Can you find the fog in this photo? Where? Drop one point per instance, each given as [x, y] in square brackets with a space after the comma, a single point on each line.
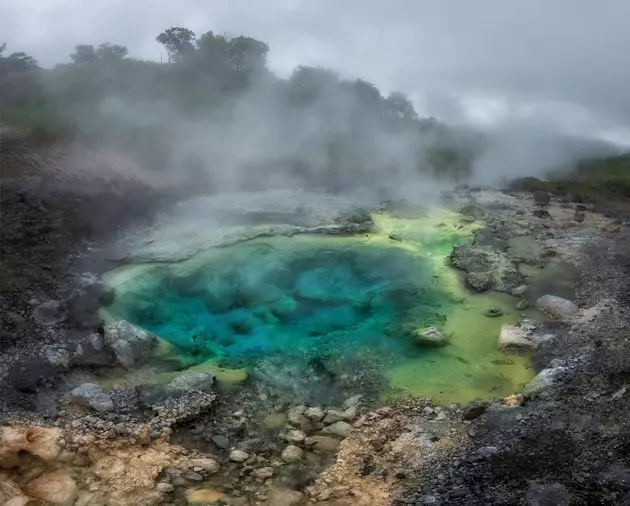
[544, 83]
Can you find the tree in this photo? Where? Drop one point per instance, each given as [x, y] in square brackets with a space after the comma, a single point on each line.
[84, 55]
[179, 43]
[399, 107]
[111, 52]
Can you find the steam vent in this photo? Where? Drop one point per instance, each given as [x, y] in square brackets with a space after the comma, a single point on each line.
[311, 316]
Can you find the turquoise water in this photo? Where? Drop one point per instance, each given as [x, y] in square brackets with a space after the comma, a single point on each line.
[283, 297]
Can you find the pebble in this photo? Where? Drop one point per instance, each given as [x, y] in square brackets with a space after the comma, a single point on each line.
[315, 414]
[292, 454]
[263, 473]
[238, 456]
[340, 429]
[164, 487]
[295, 436]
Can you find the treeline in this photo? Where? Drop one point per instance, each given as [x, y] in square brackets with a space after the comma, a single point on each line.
[215, 105]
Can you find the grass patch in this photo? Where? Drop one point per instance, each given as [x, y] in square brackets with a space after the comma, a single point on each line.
[591, 179]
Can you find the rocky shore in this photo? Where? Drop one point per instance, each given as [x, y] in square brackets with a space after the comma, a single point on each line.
[66, 439]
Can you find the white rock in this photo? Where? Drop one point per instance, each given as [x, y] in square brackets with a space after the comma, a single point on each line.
[296, 436]
[206, 465]
[238, 456]
[263, 473]
[514, 337]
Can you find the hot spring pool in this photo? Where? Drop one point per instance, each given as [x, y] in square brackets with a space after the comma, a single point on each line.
[345, 305]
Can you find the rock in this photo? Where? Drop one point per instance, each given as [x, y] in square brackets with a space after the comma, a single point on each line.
[285, 497]
[39, 441]
[493, 312]
[542, 213]
[205, 465]
[353, 401]
[296, 436]
[164, 488]
[519, 291]
[579, 216]
[128, 342]
[295, 415]
[521, 305]
[192, 476]
[263, 473]
[472, 211]
[339, 429]
[475, 411]
[190, 380]
[97, 341]
[486, 452]
[322, 444]
[49, 313]
[542, 198]
[486, 267]
[57, 355]
[428, 500]
[557, 307]
[480, 281]
[238, 456]
[545, 379]
[91, 395]
[350, 414]
[56, 487]
[554, 494]
[429, 337]
[314, 414]
[221, 441]
[204, 496]
[395, 237]
[292, 454]
[514, 337]
[612, 228]
[333, 416]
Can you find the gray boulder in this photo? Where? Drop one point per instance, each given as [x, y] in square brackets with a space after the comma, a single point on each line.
[189, 380]
[128, 342]
[91, 395]
[557, 307]
[545, 379]
[486, 267]
[513, 337]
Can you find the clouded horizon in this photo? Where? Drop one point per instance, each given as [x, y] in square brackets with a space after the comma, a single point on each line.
[559, 65]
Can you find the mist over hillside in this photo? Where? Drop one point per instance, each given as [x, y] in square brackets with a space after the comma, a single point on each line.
[216, 118]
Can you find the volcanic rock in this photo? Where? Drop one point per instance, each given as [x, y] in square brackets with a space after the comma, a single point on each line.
[557, 307]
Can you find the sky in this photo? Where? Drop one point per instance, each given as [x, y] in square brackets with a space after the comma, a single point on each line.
[560, 65]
